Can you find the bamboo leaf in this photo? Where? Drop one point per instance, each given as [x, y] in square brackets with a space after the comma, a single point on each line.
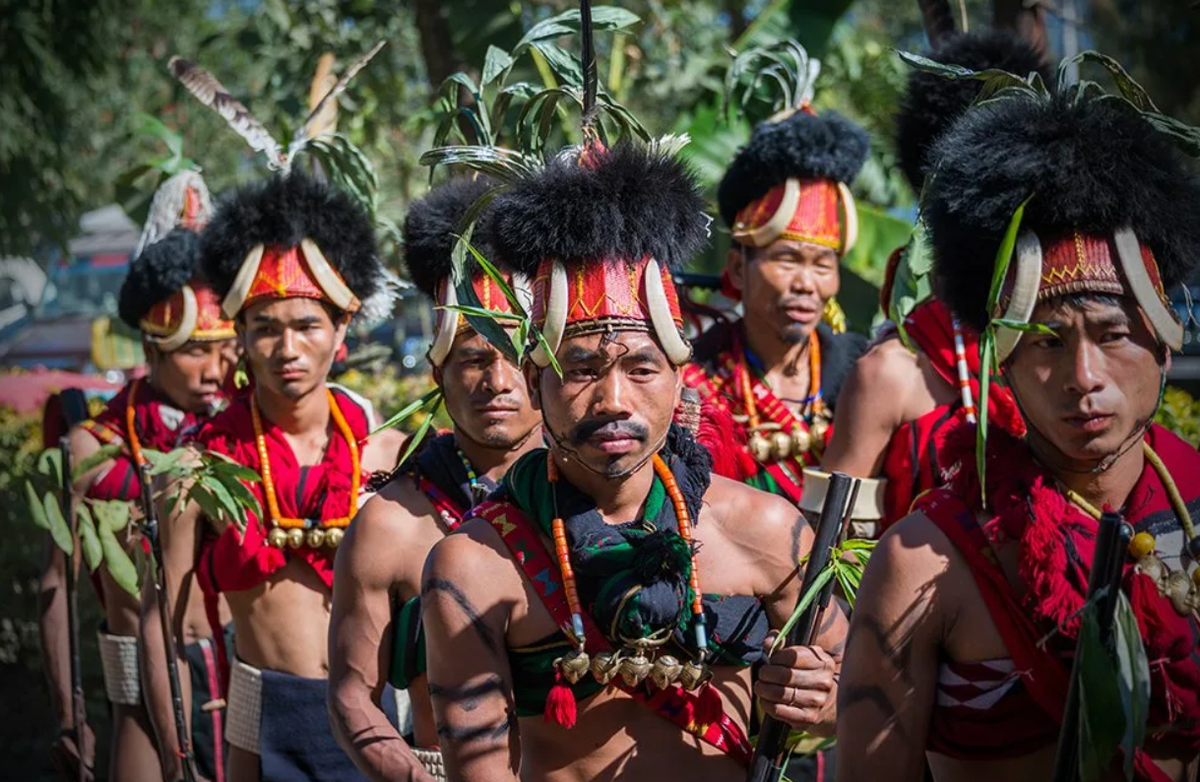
[1025, 328]
[59, 531]
[480, 312]
[495, 64]
[818, 584]
[117, 561]
[416, 440]
[431, 398]
[101, 456]
[89, 540]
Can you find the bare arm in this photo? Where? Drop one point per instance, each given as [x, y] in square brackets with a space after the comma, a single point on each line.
[889, 680]
[383, 450]
[180, 544]
[799, 685]
[872, 405]
[466, 609]
[373, 561]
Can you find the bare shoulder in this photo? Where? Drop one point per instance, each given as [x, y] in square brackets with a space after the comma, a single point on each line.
[886, 366]
[748, 511]
[84, 444]
[390, 536]
[475, 559]
[383, 450]
[914, 561]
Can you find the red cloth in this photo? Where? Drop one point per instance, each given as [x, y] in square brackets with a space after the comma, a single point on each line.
[912, 463]
[1056, 545]
[233, 562]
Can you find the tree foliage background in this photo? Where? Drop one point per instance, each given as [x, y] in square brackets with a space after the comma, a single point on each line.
[78, 76]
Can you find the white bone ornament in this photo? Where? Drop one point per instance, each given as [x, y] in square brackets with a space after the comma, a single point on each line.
[1026, 281]
[556, 316]
[850, 212]
[1129, 251]
[334, 286]
[773, 228]
[444, 339]
[240, 289]
[187, 323]
[673, 343]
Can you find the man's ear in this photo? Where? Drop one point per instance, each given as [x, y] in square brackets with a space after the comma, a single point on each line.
[340, 329]
[437, 375]
[735, 264]
[533, 375]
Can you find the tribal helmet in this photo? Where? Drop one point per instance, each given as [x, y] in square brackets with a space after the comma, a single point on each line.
[291, 237]
[598, 231]
[431, 229]
[164, 294]
[1113, 207]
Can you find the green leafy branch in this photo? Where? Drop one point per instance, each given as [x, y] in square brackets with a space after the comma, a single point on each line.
[847, 561]
[103, 527]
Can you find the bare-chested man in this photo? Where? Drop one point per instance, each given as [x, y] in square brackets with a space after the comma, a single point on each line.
[374, 634]
[898, 400]
[614, 559]
[189, 358]
[293, 259]
[965, 628]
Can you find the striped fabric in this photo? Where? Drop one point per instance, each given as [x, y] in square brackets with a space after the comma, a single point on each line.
[984, 712]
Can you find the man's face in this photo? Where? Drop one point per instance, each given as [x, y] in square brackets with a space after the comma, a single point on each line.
[614, 403]
[192, 376]
[485, 394]
[290, 344]
[784, 286]
[1086, 389]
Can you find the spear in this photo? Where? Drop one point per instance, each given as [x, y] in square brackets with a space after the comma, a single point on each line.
[151, 530]
[767, 763]
[1112, 540]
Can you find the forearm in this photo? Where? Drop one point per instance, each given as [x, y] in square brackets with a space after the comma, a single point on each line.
[369, 738]
[156, 684]
[55, 636]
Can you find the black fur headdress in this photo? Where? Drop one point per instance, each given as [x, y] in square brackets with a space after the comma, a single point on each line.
[801, 146]
[431, 227]
[161, 270]
[931, 103]
[629, 202]
[1094, 165]
[281, 212]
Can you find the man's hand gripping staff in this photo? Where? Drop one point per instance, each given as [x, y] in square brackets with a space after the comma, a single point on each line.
[815, 596]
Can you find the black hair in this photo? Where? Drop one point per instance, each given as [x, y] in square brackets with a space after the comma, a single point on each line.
[159, 272]
[431, 227]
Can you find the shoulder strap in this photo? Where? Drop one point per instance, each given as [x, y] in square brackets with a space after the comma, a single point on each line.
[675, 705]
[1047, 679]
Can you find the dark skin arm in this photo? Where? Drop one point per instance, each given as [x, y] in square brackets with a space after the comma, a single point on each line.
[374, 560]
[468, 593]
[889, 681]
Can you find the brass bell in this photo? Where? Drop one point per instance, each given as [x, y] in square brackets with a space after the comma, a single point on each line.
[316, 536]
[635, 669]
[693, 675]
[574, 665]
[277, 537]
[665, 671]
[760, 448]
[333, 537]
[802, 439]
[604, 667]
[820, 428]
[781, 445]
[295, 537]
[1179, 591]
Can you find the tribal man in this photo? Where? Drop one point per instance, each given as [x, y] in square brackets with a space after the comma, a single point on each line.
[376, 621]
[293, 259]
[899, 398]
[190, 350]
[599, 616]
[967, 617]
[779, 368]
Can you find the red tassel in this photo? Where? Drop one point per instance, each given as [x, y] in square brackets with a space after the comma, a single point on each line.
[560, 703]
[709, 708]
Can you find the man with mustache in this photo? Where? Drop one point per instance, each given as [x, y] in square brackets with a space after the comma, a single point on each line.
[189, 349]
[967, 620]
[902, 395]
[293, 260]
[599, 616]
[374, 634]
[778, 369]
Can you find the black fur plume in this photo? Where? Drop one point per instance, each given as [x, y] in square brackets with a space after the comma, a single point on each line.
[629, 204]
[931, 103]
[1094, 166]
[803, 145]
[158, 273]
[432, 224]
[282, 211]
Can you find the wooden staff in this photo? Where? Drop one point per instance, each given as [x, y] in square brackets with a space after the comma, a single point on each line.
[767, 763]
[78, 711]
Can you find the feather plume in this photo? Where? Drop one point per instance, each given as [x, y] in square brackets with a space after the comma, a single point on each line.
[305, 131]
[209, 91]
